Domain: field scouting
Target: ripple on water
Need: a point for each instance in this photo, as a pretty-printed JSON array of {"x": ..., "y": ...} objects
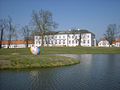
[{"x": 95, "y": 72}]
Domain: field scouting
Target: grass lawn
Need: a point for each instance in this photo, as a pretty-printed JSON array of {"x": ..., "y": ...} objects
[
  {"x": 81, "y": 50},
  {"x": 63, "y": 50},
  {"x": 32, "y": 61},
  {"x": 22, "y": 58}
]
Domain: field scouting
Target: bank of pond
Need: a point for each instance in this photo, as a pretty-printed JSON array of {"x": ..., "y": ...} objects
[
  {"x": 17, "y": 58},
  {"x": 15, "y": 61}
]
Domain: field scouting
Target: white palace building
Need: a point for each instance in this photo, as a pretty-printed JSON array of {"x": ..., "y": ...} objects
[{"x": 84, "y": 38}]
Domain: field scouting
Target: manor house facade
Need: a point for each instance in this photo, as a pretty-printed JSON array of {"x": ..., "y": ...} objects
[{"x": 86, "y": 39}]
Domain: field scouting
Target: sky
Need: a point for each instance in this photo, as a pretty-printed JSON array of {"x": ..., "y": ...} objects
[{"x": 93, "y": 15}]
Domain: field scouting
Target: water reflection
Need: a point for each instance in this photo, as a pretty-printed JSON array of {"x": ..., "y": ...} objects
[{"x": 95, "y": 72}]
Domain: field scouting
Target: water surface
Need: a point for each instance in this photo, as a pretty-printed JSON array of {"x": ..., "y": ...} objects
[{"x": 95, "y": 72}]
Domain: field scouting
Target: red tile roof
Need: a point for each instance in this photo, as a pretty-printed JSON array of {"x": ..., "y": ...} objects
[
  {"x": 116, "y": 41},
  {"x": 17, "y": 42}
]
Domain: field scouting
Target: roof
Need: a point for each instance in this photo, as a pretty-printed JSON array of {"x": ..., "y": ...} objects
[
  {"x": 117, "y": 41},
  {"x": 103, "y": 40},
  {"x": 74, "y": 31},
  {"x": 17, "y": 42}
]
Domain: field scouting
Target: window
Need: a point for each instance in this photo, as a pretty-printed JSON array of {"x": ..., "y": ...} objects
[
  {"x": 69, "y": 36},
  {"x": 88, "y": 41},
  {"x": 59, "y": 36},
  {"x": 88, "y": 36},
  {"x": 59, "y": 41},
  {"x": 55, "y": 36},
  {"x": 72, "y": 36},
  {"x": 83, "y": 36},
  {"x": 51, "y": 42},
  {"x": 76, "y": 41},
  {"x": 69, "y": 42},
  {"x": 15, "y": 46},
  {"x": 36, "y": 37},
  {"x": 55, "y": 41},
  {"x": 63, "y": 36},
  {"x": 75, "y": 37},
  {"x": 63, "y": 41},
  {"x": 39, "y": 38},
  {"x": 45, "y": 38},
  {"x": 83, "y": 41},
  {"x": 72, "y": 41}
]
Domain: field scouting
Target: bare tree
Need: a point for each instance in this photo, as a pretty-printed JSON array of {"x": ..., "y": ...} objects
[
  {"x": 110, "y": 33},
  {"x": 117, "y": 34},
  {"x": 11, "y": 31},
  {"x": 26, "y": 34},
  {"x": 2, "y": 28},
  {"x": 43, "y": 22}
]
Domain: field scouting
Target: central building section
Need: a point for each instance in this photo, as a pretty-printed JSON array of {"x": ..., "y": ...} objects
[{"x": 85, "y": 38}]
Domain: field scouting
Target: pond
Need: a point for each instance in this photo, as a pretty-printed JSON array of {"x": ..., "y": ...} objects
[{"x": 95, "y": 72}]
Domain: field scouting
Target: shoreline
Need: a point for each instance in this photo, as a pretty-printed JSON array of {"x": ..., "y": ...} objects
[
  {"x": 22, "y": 58},
  {"x": 31, "y": 61}
]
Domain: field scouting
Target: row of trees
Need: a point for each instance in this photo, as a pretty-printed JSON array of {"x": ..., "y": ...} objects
[
  {"x": 42, "y": 22},
  {"x": 112, "y": 33},
  {"x": 7, "y": 30}
]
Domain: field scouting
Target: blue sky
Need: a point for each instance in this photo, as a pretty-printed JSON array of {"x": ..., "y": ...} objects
[{"x": 93, "y": 15}]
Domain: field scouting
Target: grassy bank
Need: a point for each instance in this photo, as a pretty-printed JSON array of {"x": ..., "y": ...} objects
[
  {"x": 31, "y": 61},
  {"x": 64, "y": 50},
  {"x": 22, "y": 58},
  {"x": 81, "y": 50}
]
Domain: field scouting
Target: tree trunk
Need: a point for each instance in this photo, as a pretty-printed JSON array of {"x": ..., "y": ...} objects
[
  {"x": 79, "y": 39},
  {"x": 1, "y": 38},
  {"x": 27, "y": 44},
  {"x": 42, "y": 37},
  {"x": 9, "y": 41},
  {"x": 67, "y": 39}
]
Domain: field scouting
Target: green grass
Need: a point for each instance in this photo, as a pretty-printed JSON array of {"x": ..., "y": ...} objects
[
  {"x": 32, "y": 61},
  {"x": 81, "y": 50},
  {"x": 64, "y": 50},
  {"x": 22, "y": 58}
]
